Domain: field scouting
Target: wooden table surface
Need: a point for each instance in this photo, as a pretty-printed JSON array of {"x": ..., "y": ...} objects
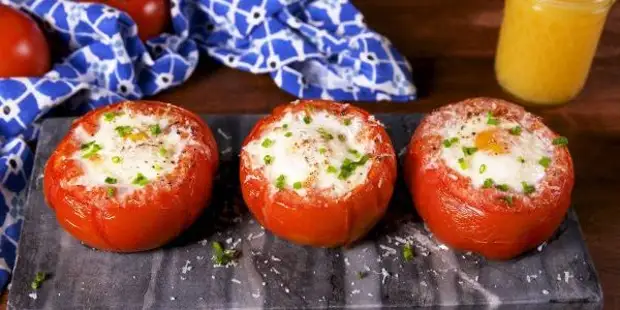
[{"x": 451, "y": 45}]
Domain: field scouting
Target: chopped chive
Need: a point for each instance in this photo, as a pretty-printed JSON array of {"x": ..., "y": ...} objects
[
  {"x": 468, "y": 151},
  {"x": 491, "y": 120},
  {"x": 86, "y": 145},
  {"x": 502, "y": 187},
  {"x": 347, "y": 121},
  {"x": 281, "y": 181},
  {"x": 155, "y": 130},
  {"x": 527, "y": 188},
  {"x": 407, "y": 252},
  {"x": 515, "y": 131},
  {"x": 307, "y": 119},
  {"x": 354, "y": 153},
  {"x": 109, "y": 116},
  {"x": 111, "y": 191},
  {"x": 331, "y": 169},
  {"x": 322, "y": 150},
  {"x": 521, "y": 159},
  {"x": 110, "y": 180},
  {"x": 342, "y": 138},
  {"x": 123, "y": 131},
  {"x": 348, "y": 166},
  {"x": 221, "y": 256},
  {"x": 482, "y": 168},
  {"x": 450, "y": 142},
  {"x": 560, "y": 141},
  {"x": 325, "y": 134},
  {"x": 140, "y": 179},
  {"x": 285, "y": 126},
  {"x": 545, "y": 161},
  {"x": 288, "y": 134},
  {"x": 488, "y": 183},
  {"x": 157, "y": 167},
  {"x": 462, "y": 163},
  {"x": 267, "y": 142},
  {"x": 39, "y": 277},
  {"x": 116, "y": 159},
  {"x": 162, "y": 151},
  {"x": 90, "y": 149},
  {"x": 507, "y": 199},
  {"x": 268, "y": 159},
  {"x": 297, "y": 185}
]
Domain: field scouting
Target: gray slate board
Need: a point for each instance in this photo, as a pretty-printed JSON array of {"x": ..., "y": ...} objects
[{"x": 273, "y": 273}]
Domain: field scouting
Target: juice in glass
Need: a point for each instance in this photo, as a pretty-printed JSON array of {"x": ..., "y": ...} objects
[{"x": 546, "y": 47}]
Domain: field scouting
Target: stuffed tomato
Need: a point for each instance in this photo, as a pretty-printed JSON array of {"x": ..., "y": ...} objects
[
  {"x": 131, "y": 176},
  {"x": 318, "y": 173},
  {"x": 487, "y": 176}
]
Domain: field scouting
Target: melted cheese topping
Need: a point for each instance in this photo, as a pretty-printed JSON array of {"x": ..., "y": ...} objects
[
  {"x": 313, "y": 150},
  {"x": 129, "y": 150},
  {"x": 494, "y": 152}
]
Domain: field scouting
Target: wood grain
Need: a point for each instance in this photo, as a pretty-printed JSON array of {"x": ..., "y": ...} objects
[{"x": 451, "y": 45}]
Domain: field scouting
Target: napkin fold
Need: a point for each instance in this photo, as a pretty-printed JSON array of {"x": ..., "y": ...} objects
[{"x": 310, "y": 48}]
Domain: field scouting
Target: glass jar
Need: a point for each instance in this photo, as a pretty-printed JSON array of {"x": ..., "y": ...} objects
[{"x": 546, "y": 47}]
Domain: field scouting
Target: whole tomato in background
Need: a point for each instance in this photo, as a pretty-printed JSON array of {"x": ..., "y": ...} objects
[
  {"x": 23, "y": 48},
  {"x": 151, "y": 16}
]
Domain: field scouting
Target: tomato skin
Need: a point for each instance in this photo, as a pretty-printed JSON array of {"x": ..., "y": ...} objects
[
  {"x": 151, "y": 16},
  {"x": 476, "y": 220},
  {"x": 317, "y": 220},
  {"x": 147, "y": 218},
  {"x": 23, "y": 47}
]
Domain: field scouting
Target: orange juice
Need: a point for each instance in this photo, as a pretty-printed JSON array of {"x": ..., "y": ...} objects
[{"x": 546, "y": 47}]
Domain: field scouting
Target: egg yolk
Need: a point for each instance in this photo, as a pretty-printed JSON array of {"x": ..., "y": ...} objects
[{"x": 492, "y": 140}]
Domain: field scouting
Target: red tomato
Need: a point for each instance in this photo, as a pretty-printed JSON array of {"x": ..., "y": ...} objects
[
  {"x": 316, "y": 219},
  {"x": 151, "y": 16},
  {"x": 147, "y": 217},
  {"x": 479, "y": 220},
  {"x": 23, "y": 46}
]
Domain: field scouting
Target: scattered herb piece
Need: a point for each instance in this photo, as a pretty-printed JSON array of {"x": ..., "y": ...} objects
[
  {"x": 155, "y": 130},
  {"x": 502, "y": 187},
  {"x": 268, "y": 159},
  {"x": 521, "y": 159},
  {"x": 85, "y": 146},
  {"x": 297, "y": 185},
  {"x": 222, "y": 256},
  {"x": 110, "y": 180},
  {"x": 39, "y": 277},
  {"x": 462, "y": 163},
  {"x": 285, "y": 126},
  {"x": 307, "y": 119},
  {"x": 288, "y": 134},
  {"x": 507, "y": 200},
  {"x": 116, "y": 159},
  {"x": 325, "y": 134},
  {"x": 468, "y": 151},
  {"x": 407, "y": 252},
  {"x": 482, "y": 168},
  {"x": 157, "y": 167},
  {"x": 267, "y": 142},
  {"x": 527, "y": 188},
  {"x": 488, "y": 183},
  {"x": 162, "y": 151},
  {"x": 492, "y": 120},
  {"x": 342, "y": 138},
  {"x": 545, "y": 161},
  {"x": 111, "y": 191},
  {"x": 109, "y": 116},
  {"x": 560, "y": 141},
  {"x": 331, "y": 169},
  {"x": 347, "y": 121},
  {"x": 140, "y": 179},
  {"x": 354, "y": 153},
  {"x": 450, "y": 142},
  {"x": 515, "y": 131},
  {"x": 348, "y": 166},
  {"x": 322, "y": 150},
  {"x": 281, "y": 181},
  {"x": 123, "y": 131},
  {"x": 90, "y": 149}
]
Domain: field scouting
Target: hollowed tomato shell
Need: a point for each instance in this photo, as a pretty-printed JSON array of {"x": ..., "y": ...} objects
[
  {"x": 316, "y": 219},
  {"x": 478, "y": 220},
  {"x": 146, "y": 218}
]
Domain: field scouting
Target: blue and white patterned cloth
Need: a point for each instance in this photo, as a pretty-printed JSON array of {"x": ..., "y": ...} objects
[{"x": 310, "y": 48}]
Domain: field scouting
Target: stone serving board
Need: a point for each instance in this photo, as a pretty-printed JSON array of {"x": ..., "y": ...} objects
[{"x": 273, "y": 273}]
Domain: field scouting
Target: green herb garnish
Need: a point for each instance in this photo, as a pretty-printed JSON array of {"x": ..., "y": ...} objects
[
  {"x": 515, "y": 131},
  {"x": 507, "y": 199},
  {"x": 462, "y": 163},
  {"x": 281, "y": 181},
  {"x": 492, "y": 120},
  {"x": 482, "y": 168},
  {"x": 502, "y": 187},
  {"x": 39, "y": 277},
  {"x": 89, "y": 149},
  {"x": 545, "y": 161},
  {"x": 285, "y": 126},
  {"x": 342, "y": 138},
  {"x": 155, "y": 130},
  {"x": 407, "y": 252},
  {"x": 297, "y": 185},
  {"x": 450, "y": 142},
  {"x": 322, "y": 150},
  {"x": 347, "y": 121},
  {"x": 307, "y": 119},
  {"x": 268, "y": 159},
  {"x": 86, "y": 145},
  {"x": 140, "y": 179},
  {"x": 560, "y": 141},
  {"x": 527, "y": 188},
  {"x": 116, "y": 159},
  {"x": 468, "y": 151},
  {"x": 331, "y": 169},
  {"x": 162, "y": 151},
  {"x": 348, "y": 166},
  {"x": 157, "y": 167},
  {"x": 354, "y": 153},
  {"x": 123, "y": 131},
  {"x": 222, "y": 256},
  {"x": 488, "y": 183},
  {"x": 288, "y": 134},
  {"x": 325, "y": 135},
  {"x": 111, "y": 191},
  {"x": 521, "y": 159},
  {"x": 110, "y": 180},
  {"x": 109, "y": 116},
  {"x": 267, "y": 142}
]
